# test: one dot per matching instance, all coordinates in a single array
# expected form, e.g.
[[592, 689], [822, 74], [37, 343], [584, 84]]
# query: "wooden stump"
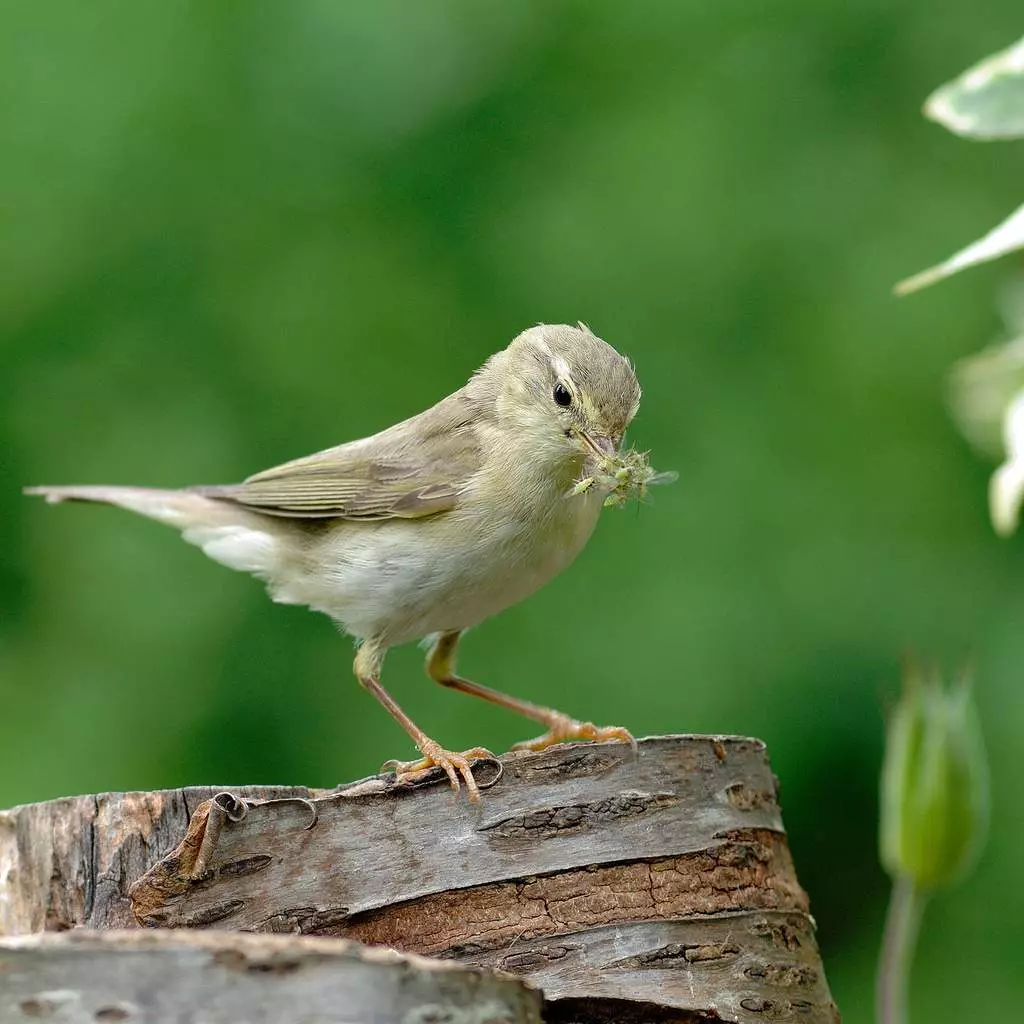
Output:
[[653, 885], [84, 977]]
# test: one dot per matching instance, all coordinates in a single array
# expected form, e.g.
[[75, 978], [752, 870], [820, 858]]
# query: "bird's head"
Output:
[[564, 390]]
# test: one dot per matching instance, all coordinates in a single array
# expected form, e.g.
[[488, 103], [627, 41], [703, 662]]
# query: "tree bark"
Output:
[[653, 885], [226, 977]]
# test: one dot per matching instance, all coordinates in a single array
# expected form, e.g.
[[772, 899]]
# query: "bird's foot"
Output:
[[435, 756], [565, 728]]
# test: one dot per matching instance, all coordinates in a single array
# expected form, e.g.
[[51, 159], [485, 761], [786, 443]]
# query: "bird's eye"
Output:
[[562, 395]]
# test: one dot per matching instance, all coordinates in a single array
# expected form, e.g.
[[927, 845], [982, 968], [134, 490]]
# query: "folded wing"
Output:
[[417, 468]]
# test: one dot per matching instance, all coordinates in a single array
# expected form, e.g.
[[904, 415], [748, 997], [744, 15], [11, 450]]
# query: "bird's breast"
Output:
[[399, 580]]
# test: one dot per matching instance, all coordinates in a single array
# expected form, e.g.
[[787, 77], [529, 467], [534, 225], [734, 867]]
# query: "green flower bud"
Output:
[[934, 795]]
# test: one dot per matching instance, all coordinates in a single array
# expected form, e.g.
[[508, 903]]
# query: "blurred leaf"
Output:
[[986, 398], [1003, 239], [981, 388], [1006, 488], [986, 101]]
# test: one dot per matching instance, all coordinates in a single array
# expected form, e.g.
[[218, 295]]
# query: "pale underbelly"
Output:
[[401, 580]]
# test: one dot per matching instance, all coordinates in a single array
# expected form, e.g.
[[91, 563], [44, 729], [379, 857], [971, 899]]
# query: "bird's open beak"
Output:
[[602, 447]]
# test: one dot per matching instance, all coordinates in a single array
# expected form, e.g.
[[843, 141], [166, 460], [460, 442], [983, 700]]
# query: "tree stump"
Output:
[[646, 885], [82, 977]]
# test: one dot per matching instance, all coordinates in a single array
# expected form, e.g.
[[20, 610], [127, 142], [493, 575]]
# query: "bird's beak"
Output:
[[602, 447]]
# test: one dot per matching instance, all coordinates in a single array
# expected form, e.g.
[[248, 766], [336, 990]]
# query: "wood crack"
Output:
[[752, 874], [565, 819]]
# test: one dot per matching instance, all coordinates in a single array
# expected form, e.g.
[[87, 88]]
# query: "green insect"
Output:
[[623, 475]]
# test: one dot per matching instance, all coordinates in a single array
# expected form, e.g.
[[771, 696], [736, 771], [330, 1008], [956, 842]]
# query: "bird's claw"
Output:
[[565, 728], [435, 756]]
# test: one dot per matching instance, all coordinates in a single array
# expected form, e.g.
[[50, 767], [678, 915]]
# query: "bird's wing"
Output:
[[416, 468]]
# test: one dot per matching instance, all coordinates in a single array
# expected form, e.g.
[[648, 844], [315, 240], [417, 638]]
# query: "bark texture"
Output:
[[225, 978], [653, 885]]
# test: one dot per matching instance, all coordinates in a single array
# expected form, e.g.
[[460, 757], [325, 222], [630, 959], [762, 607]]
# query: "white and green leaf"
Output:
[[1005, 238], [986, 101]]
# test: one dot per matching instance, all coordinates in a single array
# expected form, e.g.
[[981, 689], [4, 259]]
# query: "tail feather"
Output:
[[176, 508], [233, 536]]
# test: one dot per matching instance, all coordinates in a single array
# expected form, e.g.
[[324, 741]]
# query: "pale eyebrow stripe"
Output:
[[561, 367]]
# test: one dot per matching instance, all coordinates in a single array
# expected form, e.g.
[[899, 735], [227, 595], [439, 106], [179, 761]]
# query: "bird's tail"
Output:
[[233, 536]]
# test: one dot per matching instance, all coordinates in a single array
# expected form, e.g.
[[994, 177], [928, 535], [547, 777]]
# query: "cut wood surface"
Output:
[[225, 978], [615, 879]]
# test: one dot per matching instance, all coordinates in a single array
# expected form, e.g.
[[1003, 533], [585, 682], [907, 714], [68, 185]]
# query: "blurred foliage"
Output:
[[1004, 238], [985, 102], [236, 233]]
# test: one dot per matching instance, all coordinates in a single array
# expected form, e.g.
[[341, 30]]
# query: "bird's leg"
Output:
[[367, 670], [441, 668]]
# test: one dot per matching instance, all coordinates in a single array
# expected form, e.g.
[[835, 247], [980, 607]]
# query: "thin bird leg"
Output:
[[367, 669], [441, 668]]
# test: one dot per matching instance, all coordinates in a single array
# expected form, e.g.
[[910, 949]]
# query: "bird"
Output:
[[427, 528]]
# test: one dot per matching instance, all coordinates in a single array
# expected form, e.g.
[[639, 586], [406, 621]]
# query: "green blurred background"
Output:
[[236, 233]]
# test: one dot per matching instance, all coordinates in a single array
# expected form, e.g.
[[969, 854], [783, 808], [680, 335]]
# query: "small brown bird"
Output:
[[433, 525]]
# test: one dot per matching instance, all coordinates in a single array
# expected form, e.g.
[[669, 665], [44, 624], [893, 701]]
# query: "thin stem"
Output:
[[901, 926]]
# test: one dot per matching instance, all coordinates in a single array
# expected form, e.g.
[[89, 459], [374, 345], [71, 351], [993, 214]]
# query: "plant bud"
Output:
[[934, 795]]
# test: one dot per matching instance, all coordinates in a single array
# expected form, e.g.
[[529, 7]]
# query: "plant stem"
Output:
[[901, 926]]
